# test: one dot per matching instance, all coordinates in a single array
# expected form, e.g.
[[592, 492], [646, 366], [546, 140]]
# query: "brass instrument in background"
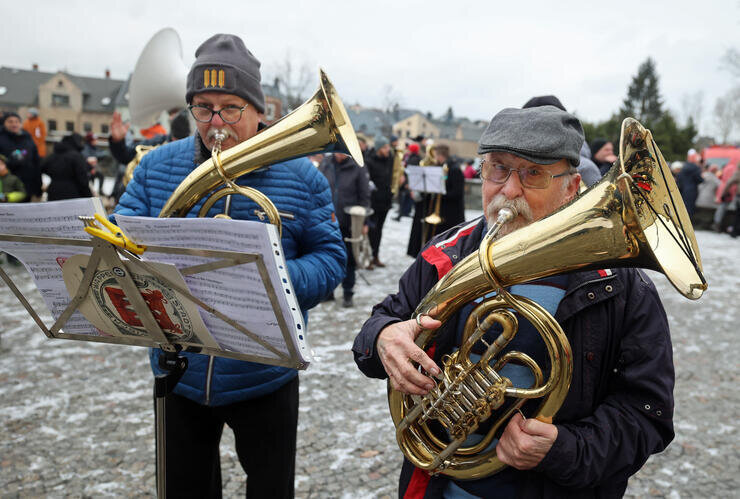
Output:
[[633, 217], [397, 171], [157, 84], [433, 219], [361, 250], [141, 151], [319, 125]]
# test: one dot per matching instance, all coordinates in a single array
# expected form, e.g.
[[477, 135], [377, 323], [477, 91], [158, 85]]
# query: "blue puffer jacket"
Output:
[[312, 245]]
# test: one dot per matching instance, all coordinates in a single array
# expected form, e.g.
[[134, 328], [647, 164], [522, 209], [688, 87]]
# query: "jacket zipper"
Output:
[[209, 378]]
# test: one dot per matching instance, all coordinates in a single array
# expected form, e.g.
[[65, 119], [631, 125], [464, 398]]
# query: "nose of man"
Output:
[[513, 188]]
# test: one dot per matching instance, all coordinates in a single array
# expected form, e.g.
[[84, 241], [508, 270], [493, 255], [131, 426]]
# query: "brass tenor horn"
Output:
[[633, 217], [319, 125]]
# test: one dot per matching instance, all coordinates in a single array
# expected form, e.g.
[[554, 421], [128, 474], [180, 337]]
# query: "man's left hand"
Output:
[[525, 442]]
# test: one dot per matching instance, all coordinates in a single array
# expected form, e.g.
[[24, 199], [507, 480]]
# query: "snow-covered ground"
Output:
[[76, 417]]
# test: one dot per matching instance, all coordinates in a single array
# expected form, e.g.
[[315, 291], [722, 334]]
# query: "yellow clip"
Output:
[[114, 236]]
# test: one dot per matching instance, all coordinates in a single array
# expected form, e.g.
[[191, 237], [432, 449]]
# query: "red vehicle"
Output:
[[727, 159]]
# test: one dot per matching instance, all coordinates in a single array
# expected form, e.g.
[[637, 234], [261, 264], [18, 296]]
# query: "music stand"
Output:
[[171, 362]]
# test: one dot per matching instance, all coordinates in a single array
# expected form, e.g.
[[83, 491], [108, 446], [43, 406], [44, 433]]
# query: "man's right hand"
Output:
[[396, 349], [118, 128]]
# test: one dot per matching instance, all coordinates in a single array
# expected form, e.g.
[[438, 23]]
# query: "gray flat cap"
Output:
[[543, 135]]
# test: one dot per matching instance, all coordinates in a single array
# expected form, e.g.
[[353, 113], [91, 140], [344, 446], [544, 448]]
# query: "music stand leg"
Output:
[[174, 366]]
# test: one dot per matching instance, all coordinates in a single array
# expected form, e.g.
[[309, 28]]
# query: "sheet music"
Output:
[[426, 179], [44, 261], [237, 291]]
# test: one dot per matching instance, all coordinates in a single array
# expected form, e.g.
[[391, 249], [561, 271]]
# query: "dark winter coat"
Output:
[[68, 171], [23, 159], [380, 170], [451, 209], [620, 405], [688, 180], [349, 187]]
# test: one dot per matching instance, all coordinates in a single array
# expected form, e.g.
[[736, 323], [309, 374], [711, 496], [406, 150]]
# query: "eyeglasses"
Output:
[[229, 114], [533, 177]]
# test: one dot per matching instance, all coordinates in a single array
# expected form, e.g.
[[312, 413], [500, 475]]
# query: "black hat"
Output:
[[10, 114], [224, 64], [544, 100], [597, 144], [543, 135]]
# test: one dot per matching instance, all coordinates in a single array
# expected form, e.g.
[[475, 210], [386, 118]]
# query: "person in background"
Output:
[[732, 183], [379, 163], [602, 153], [405, 201], [93, 155], [724, 196], [21, 155], [451, 204], [67, 169], [349, 187], [688, 180], [37, 129], [11, 187], [125, 152], [588, 170]]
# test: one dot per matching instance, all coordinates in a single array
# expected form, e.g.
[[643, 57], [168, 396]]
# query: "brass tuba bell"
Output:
[[634, 217], [319, 125]]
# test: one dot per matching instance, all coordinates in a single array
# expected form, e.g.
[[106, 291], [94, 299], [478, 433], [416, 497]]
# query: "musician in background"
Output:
[[349, 185], [451, 204], [259, 402], [379, 163], [620, 405]]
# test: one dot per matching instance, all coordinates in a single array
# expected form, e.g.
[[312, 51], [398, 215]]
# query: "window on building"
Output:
[[60, 100], [60, 84], [103, 128], [270, 113], [87, 126], [70, 126], [52, 125]]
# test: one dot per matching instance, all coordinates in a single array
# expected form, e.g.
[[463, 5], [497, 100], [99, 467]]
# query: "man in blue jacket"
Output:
[[259, 402], [619, 407]]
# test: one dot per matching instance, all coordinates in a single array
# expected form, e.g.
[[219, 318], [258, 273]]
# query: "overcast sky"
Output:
[[476, 56]]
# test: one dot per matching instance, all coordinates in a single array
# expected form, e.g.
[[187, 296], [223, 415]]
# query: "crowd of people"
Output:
[[535, 159]]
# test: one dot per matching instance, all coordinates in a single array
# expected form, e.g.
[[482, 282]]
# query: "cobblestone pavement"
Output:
[[76, 418]]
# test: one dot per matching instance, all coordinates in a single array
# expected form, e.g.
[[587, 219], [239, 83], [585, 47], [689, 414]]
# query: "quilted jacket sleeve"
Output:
[[319, 268]]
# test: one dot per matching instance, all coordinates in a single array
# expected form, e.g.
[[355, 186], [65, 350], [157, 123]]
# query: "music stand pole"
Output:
[[174, 366]]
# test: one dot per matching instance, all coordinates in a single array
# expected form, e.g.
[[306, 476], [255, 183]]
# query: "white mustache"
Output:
[[499, 201]]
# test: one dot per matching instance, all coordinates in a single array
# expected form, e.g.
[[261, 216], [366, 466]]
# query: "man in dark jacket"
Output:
[[619, 407], [688, 181], [602, 153], [67, 169], [379, 163], [349, 187], [258, 401], [18, 147], [451, 204]]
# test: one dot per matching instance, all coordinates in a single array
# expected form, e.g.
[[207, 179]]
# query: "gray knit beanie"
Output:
[[224, 64]]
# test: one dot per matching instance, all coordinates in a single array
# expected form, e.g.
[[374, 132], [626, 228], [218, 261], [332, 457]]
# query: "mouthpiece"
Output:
[[506, 214]]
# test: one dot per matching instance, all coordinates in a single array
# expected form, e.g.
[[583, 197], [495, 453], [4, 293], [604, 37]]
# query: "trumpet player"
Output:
[[619, 408], [259, 402]]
